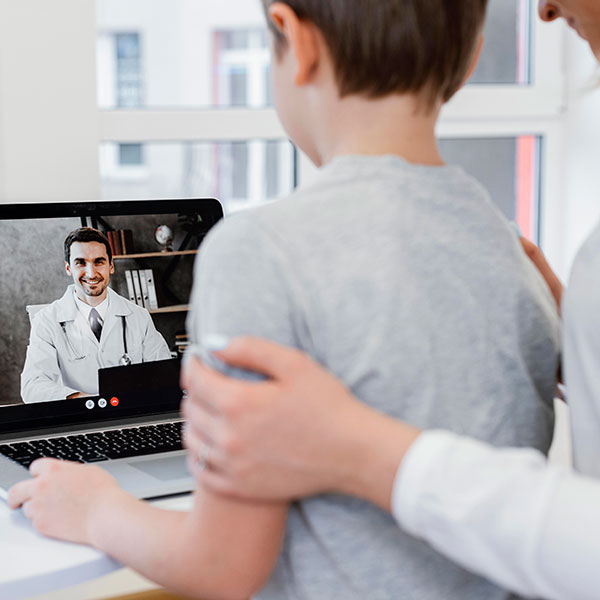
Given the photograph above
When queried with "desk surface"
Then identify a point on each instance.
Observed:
(32, 564)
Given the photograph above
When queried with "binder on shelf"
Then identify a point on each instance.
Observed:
(152, 298)
(138, 288)
(144, 284)
(130, 288)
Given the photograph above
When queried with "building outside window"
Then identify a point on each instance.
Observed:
(119, 61)
(128, 70)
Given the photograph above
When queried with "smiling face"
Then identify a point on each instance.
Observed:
(582, 15)
(90, 268)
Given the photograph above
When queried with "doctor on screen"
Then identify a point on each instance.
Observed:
(89, 328)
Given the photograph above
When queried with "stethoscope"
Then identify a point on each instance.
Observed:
(124, 361)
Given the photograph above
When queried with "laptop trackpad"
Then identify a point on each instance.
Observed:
(165, 469)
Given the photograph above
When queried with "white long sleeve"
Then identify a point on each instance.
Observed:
(581, 355)
(504, 514)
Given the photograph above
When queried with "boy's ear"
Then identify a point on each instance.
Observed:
(475, 59)
(301, 37)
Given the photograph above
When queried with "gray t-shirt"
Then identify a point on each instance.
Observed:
(409, 286)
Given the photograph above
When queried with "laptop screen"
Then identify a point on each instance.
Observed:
(116, 300)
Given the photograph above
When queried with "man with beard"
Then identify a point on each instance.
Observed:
(89, 328)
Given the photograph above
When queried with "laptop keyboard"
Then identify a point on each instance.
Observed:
(99, 445)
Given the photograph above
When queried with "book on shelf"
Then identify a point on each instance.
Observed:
(138, 288)
(117, 242)
(152, 298)
(130, 288)
(121, 241)
(111, 241)
(126, 238)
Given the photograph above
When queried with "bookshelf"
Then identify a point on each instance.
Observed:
(155, 254)
(169, 309)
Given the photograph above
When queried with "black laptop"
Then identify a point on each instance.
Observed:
(130, 424)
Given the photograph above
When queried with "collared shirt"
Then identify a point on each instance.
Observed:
(83, 312)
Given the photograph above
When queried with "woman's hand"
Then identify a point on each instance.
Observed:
(539, 260)
(298, 433)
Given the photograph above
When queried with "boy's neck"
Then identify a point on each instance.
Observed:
(391, 125)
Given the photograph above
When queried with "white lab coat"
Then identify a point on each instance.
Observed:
(62, 359)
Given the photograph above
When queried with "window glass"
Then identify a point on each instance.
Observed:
(168, 53)
(128, 70)
(512, 177)
(506, 54)
(130, 154)
(239, 174)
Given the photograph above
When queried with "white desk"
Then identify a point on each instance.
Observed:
(31, 564)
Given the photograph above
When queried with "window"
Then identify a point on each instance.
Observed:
(225, 170)
(241, 65)
(512, 178)
(205, 85)
(506, 56)
(120, 85)
(128, 70)
(131, 154)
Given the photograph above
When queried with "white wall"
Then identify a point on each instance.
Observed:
(48, 114)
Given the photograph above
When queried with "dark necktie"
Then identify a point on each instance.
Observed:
(95, 323)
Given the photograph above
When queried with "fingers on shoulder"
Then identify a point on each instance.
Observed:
(262, 356)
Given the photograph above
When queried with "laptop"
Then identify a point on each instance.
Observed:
(129, 424)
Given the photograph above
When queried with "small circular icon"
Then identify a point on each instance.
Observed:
(89, 404)
(114, 401)
(102, 403)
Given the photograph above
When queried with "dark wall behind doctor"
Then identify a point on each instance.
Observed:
(32, 272)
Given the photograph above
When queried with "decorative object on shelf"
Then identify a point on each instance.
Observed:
(181, 342)
(164, 236)
(194, 228)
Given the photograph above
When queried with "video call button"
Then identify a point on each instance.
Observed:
(114, 401)
(102, 403)
(89, 404)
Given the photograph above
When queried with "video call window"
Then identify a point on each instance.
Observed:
(148, 284)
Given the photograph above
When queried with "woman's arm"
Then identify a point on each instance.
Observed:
(504, 514)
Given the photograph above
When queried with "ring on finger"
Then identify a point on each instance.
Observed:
(203, 457)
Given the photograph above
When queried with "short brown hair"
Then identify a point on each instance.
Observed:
(85, 234)
(380, 47)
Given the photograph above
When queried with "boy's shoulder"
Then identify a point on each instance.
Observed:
(352, 184)
(365, 196)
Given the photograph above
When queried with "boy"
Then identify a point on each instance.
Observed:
(393, 270)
